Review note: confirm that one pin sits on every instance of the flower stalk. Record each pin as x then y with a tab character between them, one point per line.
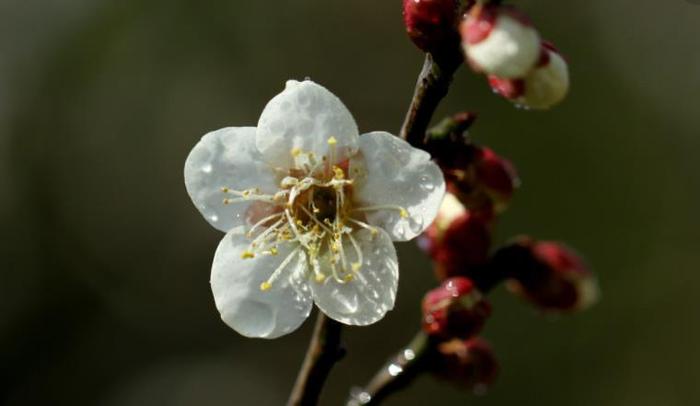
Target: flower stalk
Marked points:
396	374
323	352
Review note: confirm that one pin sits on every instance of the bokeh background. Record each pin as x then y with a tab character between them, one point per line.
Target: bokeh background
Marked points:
104	262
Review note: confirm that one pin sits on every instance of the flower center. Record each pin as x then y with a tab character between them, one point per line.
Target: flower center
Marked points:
314	210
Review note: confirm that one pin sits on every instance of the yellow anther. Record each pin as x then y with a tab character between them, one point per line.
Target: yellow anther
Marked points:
403	213
348	278
339	174
273	251
225	189
356	266
227	201
373	231
247	255
265	286
296	151
320	277
332	141
246	193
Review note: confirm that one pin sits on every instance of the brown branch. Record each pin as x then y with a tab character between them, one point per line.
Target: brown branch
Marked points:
324	351
433	83
396	374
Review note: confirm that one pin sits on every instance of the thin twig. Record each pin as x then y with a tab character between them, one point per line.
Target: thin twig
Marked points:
432	86
324	351
396	374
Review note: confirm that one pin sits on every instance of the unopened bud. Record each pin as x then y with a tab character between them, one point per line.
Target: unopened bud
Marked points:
545	86
497	177
469	364
455	309
500	40
549	275
431	24
458	239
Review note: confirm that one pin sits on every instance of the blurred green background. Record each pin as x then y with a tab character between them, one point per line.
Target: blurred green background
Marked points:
104	294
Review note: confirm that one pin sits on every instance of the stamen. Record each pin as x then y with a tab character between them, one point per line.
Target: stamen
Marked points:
332	142
266	233
402	212
305	210
265	286
289	182
364	225
247	198
360	259
293	226
339	242
263	221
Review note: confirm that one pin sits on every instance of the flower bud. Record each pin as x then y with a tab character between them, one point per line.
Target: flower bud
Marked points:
500	40
456	309
549	275
431	24
469	364
457	240
497	177
545	86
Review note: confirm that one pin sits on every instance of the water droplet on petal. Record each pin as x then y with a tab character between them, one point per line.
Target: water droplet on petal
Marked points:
207	168
214	218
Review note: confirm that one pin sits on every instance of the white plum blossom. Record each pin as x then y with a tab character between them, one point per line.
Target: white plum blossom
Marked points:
310	209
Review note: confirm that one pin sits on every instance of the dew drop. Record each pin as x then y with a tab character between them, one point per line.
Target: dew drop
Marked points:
408	354
207	168
427	186
394	369
360	396
214	218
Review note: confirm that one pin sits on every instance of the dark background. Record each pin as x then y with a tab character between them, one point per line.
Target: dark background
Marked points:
104	294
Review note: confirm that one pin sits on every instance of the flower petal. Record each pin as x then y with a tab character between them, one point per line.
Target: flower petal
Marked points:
226	158
305	116
372	291
236	284
390	172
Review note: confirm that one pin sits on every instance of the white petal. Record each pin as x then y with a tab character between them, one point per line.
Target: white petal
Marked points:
372	292
226	158
393	173
247	309
305	116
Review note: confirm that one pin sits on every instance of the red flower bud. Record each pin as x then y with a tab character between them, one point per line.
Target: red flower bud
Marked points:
458	239
497	177
550	275
470	364
455	309
431	24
